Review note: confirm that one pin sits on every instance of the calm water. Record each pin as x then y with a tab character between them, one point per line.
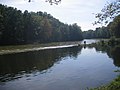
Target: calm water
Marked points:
73	68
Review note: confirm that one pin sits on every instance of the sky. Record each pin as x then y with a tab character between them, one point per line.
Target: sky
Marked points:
68	11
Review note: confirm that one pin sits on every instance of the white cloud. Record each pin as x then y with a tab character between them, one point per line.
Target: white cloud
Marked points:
13	1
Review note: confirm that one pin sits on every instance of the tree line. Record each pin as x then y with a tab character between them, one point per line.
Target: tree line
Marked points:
101	32
39	27
112	30
34	27
111	11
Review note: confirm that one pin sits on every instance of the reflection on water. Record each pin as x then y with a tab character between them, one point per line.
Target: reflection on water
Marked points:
116	55
113	52
74	68
12	66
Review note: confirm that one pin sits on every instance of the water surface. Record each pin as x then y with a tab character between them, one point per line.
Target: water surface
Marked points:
72	68
89	41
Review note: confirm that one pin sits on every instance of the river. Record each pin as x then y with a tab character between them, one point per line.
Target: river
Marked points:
69	68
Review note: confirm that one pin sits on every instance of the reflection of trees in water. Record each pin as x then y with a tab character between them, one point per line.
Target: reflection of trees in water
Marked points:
116	55
29	62
112	51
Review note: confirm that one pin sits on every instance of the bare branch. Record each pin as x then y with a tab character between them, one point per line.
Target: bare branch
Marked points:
50	1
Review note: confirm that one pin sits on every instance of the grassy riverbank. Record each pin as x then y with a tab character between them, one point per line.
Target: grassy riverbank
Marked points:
114	85
35	47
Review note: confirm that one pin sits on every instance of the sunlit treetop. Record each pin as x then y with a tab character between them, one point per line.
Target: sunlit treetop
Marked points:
50	1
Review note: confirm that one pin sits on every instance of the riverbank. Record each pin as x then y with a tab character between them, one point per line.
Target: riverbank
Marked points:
35	47
114	85
54	45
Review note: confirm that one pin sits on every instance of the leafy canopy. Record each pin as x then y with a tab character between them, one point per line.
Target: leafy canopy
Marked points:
109	12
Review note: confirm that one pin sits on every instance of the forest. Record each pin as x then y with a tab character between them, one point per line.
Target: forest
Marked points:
112	30
101	32
30	27
17	27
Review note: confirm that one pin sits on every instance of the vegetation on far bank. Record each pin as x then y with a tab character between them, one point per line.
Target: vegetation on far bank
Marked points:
34	27
112	30
17	27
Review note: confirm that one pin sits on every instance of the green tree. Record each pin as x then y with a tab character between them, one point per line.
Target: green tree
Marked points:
115	27
75	32
1	23
30	27
46	30
110	11
101	32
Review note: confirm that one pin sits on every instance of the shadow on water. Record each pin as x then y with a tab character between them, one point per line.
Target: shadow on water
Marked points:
13	66
112	51
116	55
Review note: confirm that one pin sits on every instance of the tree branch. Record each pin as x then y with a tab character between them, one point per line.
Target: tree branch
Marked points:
110	11
50	1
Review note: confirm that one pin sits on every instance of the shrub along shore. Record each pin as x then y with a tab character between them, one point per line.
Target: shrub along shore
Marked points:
114	85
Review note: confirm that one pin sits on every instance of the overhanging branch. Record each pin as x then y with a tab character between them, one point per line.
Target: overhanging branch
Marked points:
51	1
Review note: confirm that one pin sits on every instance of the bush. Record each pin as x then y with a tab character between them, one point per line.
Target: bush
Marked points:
112	41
